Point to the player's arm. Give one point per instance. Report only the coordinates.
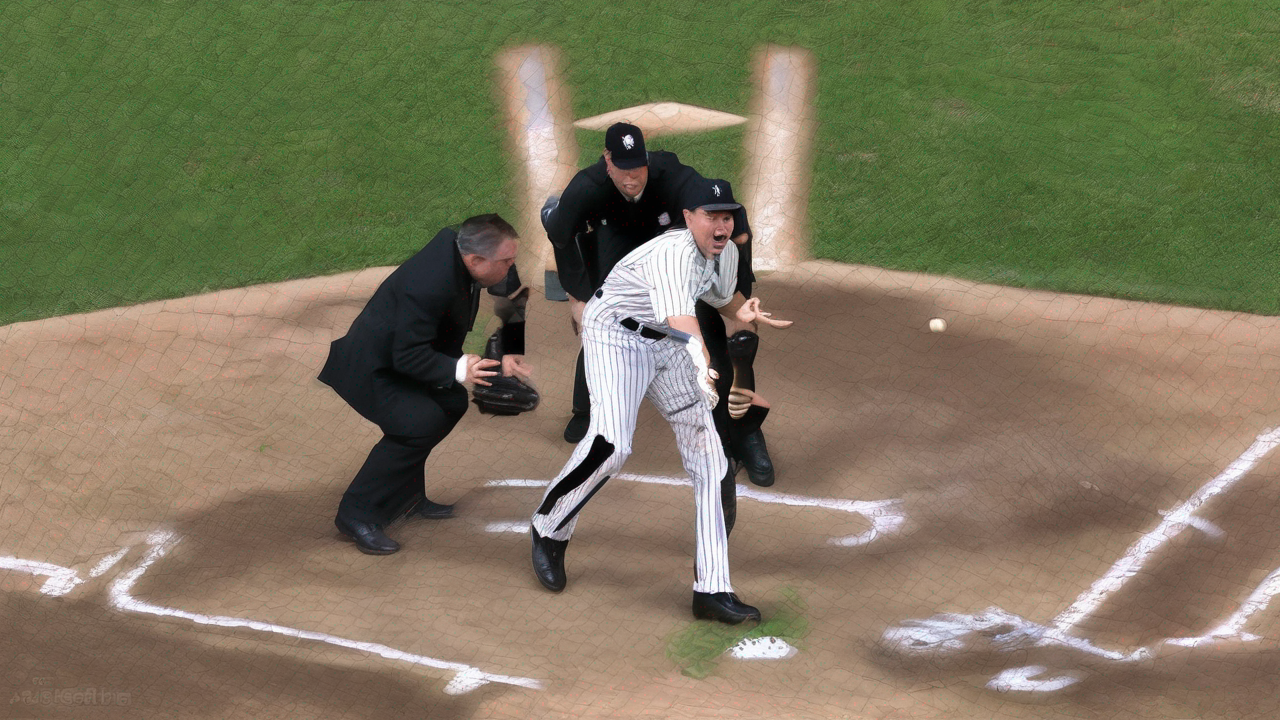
(688, 324)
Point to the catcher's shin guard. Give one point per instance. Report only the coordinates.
(745, 437)
(729, 500)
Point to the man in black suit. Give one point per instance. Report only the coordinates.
(401, 366)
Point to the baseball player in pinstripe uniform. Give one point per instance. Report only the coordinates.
(641, 339)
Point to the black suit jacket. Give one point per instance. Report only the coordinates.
(403, 348)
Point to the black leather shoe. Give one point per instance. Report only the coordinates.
(729, 500)
(754, 455)
(432, 510)
(722, 607)
(548, 561)
(577, 428)
(368, 537)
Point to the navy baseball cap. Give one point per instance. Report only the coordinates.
(710, 195)
(625, 144)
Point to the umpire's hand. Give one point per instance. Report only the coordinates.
(478, 367)
(514, 365)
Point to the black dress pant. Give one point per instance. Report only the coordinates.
(393, 475)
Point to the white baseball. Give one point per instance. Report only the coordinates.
(937, 325)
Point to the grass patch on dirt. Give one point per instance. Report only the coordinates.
(698, 648)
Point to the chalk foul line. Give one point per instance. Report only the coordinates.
(999, 631)
(61, 580)
(886, 516)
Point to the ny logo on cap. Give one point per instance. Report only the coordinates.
(628, 142)
(716, 190)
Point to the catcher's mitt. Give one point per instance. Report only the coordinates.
(506, 396)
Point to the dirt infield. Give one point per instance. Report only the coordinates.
(1096, 472)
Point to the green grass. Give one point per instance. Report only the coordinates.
(698, 648)
(158, 149)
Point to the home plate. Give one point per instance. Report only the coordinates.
(765, 648)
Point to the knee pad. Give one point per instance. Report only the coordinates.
(602, 451)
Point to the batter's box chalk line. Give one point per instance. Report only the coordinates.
(995, 630)
(886, 516)
(62, 580)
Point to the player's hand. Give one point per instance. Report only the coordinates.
(740, 400)
(576, 307)
(514, 365)
(479, 368)
(750, 312)
(709, 387)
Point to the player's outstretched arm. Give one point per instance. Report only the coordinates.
(748, 311)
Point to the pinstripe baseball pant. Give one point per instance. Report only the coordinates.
(623, 368)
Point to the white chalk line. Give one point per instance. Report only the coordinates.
(61, 580)
(885, 516)
(1173, 523)
(1026, 679)
(466, 678)
(1005, 632)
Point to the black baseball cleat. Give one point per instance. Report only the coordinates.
(548, 561)
(369, 537)
(722, 607)
(577, 428)
(754, 456)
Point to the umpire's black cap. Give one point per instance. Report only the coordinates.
(710, 195)
(625, 144)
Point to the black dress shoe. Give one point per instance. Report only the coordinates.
(548, 561)
(432, 510)
(754, 455)
(577, 428)
(729, 500)
(369, 537)
(722, 607)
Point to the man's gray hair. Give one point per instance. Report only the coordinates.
(481, 235)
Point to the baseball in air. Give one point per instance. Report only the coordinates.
(937, 324)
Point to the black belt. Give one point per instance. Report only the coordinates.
(645, 330)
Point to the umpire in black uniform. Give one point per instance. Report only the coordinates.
(401, 366)
(609, 209)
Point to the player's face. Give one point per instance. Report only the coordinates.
(711, 230)
(491, 271)
(629, 182)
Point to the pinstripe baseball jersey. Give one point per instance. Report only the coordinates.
(661, 279)
(666, 276)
